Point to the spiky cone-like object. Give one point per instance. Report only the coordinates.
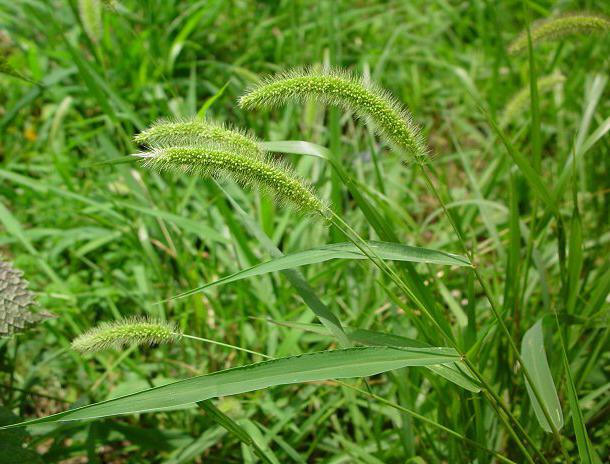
(16, 302)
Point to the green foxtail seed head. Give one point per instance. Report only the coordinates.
(90, 12)
(126, 332)
(555, 28)
(259, 172)
(367, 101)
(198, 132)
(522, 98)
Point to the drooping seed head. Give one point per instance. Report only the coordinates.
(561, 26)
(126, 332)
(261, 173)
(522, 98)
(392, 121)
(198, 132)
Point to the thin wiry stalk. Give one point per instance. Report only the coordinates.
(336, 87)
(351, 94)
(126, 332)
(196, 132)
(261, 173)
(556, 28)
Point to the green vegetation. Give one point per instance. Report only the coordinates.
(418, 270)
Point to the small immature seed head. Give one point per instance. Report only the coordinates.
(561, 26)
(126, 332)
(258, 172)
(391, 120)
(198, 132)
(522, 98)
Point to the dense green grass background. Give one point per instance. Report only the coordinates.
(99, 240)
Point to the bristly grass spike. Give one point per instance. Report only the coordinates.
(561, 26)
(126, 332)
(195, 132)
(262, 173)
(392, 121)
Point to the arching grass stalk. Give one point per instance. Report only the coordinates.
(498, 317)
(561, 26)
(141, 331)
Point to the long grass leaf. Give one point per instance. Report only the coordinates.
(320, 366)
(385, 250)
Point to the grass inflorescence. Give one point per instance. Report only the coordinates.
(520, 100)
(246, 170)
(337, 87)
(126, 332)
(561, 26)
(196, 132)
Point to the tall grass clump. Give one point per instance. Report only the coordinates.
(337, 87)
(561, 26)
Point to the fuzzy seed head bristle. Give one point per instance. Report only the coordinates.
(246, 170)
(126, 332)
(392, 121)
(197, 132)
(561, 26)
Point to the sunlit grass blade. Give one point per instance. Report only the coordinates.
(454, 372)
(535, 360)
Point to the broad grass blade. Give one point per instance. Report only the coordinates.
(535, 360)
(324, 365)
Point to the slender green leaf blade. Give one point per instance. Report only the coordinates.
(385, 250)
(535, 360)
(324, 365)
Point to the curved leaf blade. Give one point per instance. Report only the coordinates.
(346, 250)
(324, 365)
